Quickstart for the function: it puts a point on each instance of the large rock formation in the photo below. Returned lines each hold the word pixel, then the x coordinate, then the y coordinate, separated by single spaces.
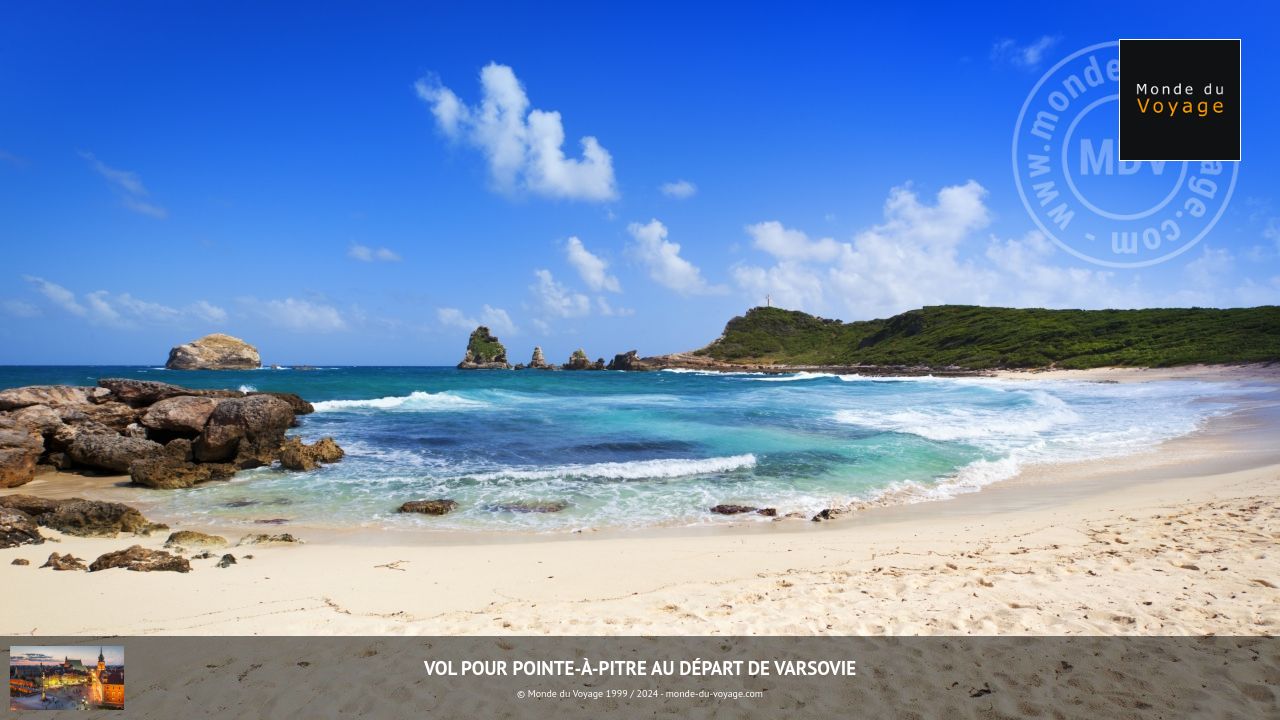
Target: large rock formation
pixel 578 361
pixel 164 436
pixel 538 362
pixel 484 352
pixel 214 352
pixel 629 361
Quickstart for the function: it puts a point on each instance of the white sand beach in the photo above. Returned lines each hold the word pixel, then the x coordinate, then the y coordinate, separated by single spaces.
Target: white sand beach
pixel 1177 540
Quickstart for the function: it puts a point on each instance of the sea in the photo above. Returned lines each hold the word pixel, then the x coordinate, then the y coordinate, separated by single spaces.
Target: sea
pixel 646 449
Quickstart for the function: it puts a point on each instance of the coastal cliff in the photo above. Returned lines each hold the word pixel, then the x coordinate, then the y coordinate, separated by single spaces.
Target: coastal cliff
pixel 214 352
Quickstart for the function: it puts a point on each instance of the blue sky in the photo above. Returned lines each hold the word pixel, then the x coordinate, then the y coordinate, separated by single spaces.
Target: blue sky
pixel 323 180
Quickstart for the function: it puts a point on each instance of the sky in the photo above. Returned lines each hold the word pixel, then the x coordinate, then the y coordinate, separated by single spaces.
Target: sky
pixel 345 184
pixel 54 654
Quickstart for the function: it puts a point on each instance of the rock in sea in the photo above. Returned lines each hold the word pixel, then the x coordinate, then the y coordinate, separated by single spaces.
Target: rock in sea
pixel 296 455
pixel 484 352
pixel 442 506
pixel 214 352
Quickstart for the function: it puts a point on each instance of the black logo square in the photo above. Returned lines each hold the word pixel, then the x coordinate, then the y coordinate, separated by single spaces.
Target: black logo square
pixel 1180 100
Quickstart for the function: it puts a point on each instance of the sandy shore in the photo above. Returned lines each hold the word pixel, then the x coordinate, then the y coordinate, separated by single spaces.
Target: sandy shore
pixel 1180 540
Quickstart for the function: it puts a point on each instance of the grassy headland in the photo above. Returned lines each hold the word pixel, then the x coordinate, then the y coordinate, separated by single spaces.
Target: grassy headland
pixel 964 336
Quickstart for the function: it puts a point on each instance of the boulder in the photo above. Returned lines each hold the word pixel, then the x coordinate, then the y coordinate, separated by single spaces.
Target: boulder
pixel 113 415
pixel 442 506
pixel 54 396
pixel 41 418
pixel 263 539
pixel 300 406
pixel 96 518
pixel 629 361
pixel 484 352
pixel 295 455
pixel 247 431
pixel 165 472
pixel 111 452
pixel 578 361
pixel 529 506
pixel 598 364
pixel 140 393
pixel 184 415
pixel 65 435
pixel 30 504
pixel 17 528
pixel 538 362
pixel 214 352
pixel 827 514
pixel 733 509
pixel 140 559
pixel 64 562
pixel 191 538
pixel 20 449
pixel 227 561
pixel 20 561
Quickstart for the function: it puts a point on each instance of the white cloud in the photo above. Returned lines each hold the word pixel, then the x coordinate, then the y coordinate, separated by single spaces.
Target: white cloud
pixel 606 309
pixel 364 253
pixel 1027 56
pixel 20 309
pixel 300 315
pixel 496 319
pixel 524 147
pixel 553 299
pixel 679 189
pixel 128 186
pixel 207 311
pixel 662 259
pixel 785 244
pixel 57 294
pixel 591 268
pixel 123 309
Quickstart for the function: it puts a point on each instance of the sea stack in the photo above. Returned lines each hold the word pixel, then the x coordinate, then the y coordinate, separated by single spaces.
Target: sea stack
pixel 214 352
pixel 484 352
pixel 538 362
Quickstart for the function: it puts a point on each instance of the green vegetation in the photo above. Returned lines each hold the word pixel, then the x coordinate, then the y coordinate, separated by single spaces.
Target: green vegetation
pixel 982 337
pixel 483 347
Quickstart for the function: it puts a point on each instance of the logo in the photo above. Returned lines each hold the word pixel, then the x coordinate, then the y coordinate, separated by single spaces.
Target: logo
pixel 1071 180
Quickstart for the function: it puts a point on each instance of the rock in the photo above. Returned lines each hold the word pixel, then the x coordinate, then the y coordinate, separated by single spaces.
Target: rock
pixel 538 362
pixel 17 528
pixel 60 460
pixel 114 415
pixel 65 435
pixel 185 415
pixel 441 506
pixel 140 559
pixel 53 396
pixel 30 504
pixel 768 512
pixel 20 449
pixel 204 555
pixel 111 452
pixel 214 352
pixel 167 473
pixel 140 393
pixel 64 562
pixel 629 361
pixel 247 431
pixel 194 539
pixel 95 518
pixel 295 455
pixel 262 539
pixel 598 364
pixel 300 406
pixel 529 506
pixel 827 514
pixel 227 561
pixel 178 449
pixel 20 561
pixel 484 352
pixel 733 509
pixel 41 418
pixel 271 521
pixel 135 430
pixel 577 361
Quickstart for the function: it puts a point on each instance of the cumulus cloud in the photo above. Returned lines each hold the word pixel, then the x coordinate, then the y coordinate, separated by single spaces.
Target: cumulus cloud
pixel 786 244
pixel 679 189
pixel 552 299
pixel 593 270
pixel 496 319
pixel 128 186
pixel 1027 56
pixel 122 309
pixel 299 315
pixel 364 253
pixel 524 147
pixel 661 258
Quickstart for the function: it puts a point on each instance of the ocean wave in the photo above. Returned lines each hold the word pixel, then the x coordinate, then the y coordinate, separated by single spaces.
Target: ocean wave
pixel 1047 413
pixel 632 470
pixel 248 389
pixel 417 401
pixel 708 373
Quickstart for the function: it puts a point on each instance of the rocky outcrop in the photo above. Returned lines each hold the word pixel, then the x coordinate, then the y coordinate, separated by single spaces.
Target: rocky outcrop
pixel 629 361
pixel 54 396
pixel 214 352
pixel 20 448
pixel 264 539
pixel 165 472
pixel 64 562
pixel 111 452
pixel 538 362
pixel 191 538
pixel 183 415
pixel 300 406
pixel 140 559
pixel 578 361
pixel 296 455
pixel 141 393
pixel 17 528
pixel 442 506
pixel 96 518
pixel 245 431
pixel 484 352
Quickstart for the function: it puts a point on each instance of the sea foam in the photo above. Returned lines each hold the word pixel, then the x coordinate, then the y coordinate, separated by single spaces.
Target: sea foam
pixel 417 401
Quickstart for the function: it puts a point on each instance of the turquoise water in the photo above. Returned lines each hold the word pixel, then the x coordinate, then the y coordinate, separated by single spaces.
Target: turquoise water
pixel 658 448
